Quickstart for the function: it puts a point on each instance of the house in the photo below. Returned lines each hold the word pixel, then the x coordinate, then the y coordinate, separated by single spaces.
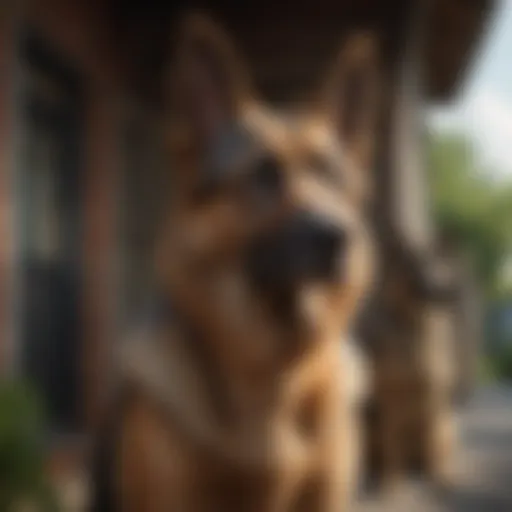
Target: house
pixel 83 176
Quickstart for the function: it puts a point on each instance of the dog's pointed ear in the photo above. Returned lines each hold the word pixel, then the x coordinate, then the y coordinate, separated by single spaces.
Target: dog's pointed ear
pixel 207 85
pixel 351 99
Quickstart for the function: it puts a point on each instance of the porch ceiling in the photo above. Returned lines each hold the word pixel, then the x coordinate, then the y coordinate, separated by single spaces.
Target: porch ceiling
pixel 289 45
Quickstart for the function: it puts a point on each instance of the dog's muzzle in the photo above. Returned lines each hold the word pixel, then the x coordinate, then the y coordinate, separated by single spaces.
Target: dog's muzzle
pixel 305 248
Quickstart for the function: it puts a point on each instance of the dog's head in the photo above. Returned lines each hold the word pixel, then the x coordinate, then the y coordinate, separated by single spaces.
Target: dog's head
pixel 266 229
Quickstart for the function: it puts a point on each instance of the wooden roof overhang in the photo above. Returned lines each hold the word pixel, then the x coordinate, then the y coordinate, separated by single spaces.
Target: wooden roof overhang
pixel 289 45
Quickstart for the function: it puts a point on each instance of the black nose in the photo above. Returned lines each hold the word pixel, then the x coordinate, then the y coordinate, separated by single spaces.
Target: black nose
pixel 313 246
pixel 307 247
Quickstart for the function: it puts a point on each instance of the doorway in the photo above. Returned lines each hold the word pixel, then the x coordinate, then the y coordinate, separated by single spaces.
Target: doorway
pixel 50 229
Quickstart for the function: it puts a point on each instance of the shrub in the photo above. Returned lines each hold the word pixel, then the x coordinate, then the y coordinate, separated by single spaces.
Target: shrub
pixel 22 434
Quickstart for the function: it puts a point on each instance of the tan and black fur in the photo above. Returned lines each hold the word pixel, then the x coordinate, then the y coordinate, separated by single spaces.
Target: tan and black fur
pixel 413 430
pixel 241 398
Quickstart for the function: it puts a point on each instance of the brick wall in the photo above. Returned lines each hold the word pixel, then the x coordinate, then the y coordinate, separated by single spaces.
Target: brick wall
pixel 77 31
pixel 6 51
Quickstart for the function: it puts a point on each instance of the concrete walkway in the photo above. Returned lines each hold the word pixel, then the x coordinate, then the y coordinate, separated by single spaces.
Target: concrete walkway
pixel 484 465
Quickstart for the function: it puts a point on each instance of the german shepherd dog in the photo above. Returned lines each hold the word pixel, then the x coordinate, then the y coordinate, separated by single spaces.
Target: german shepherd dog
pixel 241 396
pixel 414 379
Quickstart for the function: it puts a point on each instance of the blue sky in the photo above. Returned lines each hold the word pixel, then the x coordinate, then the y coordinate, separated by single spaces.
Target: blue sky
pixel 483 107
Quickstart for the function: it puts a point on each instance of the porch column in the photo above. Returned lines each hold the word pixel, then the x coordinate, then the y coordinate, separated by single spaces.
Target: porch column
pixel 7 76
pixel 100 242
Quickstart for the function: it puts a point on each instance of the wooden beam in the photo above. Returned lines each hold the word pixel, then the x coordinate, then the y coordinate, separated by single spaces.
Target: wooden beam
pixel 454 29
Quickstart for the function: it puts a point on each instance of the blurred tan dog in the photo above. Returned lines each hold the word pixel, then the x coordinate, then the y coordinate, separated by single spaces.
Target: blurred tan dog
pixel 414 430
pixel 237 398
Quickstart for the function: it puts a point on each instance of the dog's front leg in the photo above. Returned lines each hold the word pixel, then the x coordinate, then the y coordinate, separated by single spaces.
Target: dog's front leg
pixel 328 491
pixel 340 481
pixel 440 445
pixel 332 488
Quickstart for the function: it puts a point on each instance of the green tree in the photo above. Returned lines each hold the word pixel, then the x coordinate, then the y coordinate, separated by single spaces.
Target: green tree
pixel 473 207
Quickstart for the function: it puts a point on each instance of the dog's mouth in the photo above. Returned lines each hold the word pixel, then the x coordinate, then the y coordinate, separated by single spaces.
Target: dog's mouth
pixel 306 249
pixel 290 267
pixel 281 262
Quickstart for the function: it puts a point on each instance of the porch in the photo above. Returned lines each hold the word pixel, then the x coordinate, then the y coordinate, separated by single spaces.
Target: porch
pixel 81 96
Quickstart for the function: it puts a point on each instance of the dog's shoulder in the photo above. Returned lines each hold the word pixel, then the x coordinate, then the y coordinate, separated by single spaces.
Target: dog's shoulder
pixel 155 383
pixel 122 453
pixel 169 370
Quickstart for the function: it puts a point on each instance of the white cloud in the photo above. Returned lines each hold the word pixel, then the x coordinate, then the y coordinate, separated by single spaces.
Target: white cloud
pixel 486 117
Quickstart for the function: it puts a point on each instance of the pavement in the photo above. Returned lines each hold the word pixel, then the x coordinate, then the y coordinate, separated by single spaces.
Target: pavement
pixel 484 465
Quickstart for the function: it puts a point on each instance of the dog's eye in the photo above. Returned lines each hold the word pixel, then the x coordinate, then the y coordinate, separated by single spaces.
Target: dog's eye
pixel 206 190
pixel 323 167
pixel 319 163
pixel 265 183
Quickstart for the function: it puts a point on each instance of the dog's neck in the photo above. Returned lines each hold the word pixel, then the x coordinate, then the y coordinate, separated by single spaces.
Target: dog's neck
pixel 229 409
pixel 252 361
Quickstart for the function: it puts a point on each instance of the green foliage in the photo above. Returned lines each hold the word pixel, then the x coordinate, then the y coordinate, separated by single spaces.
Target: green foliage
pixel 22 428
pixel 468 204
pixel 504 363
pixel 497 366
pixel 488 372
